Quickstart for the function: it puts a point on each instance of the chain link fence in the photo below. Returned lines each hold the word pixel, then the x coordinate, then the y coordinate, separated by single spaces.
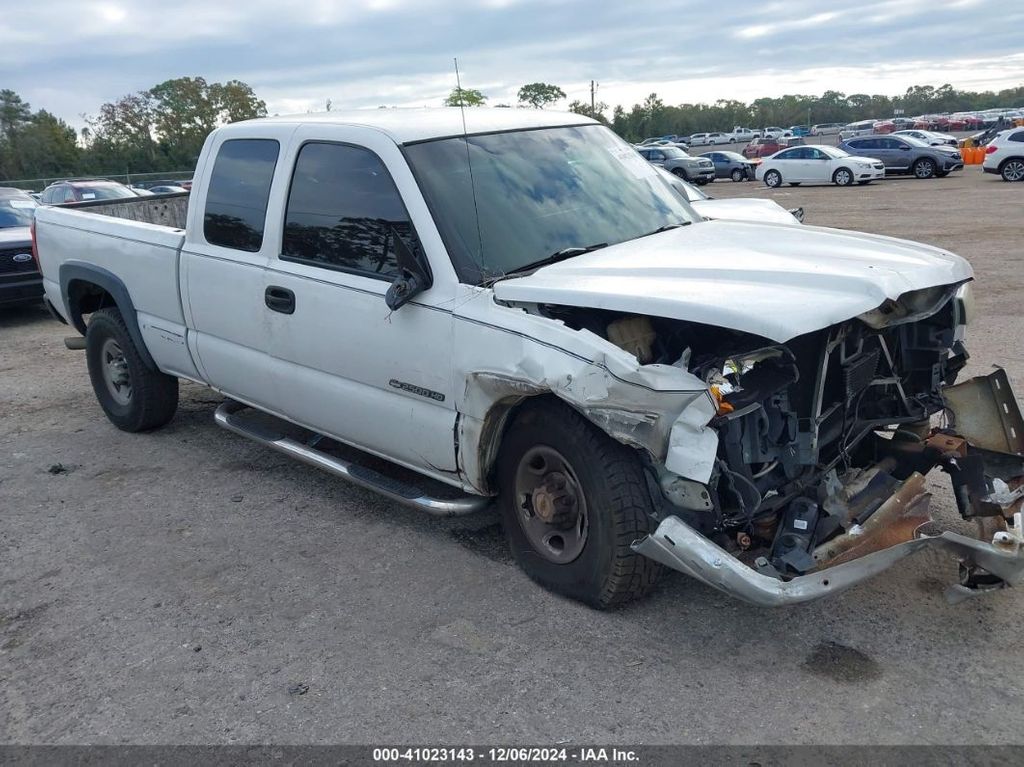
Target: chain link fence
pixel 129 179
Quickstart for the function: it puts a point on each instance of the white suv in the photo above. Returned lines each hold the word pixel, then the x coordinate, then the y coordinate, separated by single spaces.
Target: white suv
pixel 1005 155
pixel 709 139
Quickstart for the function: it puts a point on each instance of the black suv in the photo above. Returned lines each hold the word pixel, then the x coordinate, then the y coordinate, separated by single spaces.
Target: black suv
pixel 20 279
pixel 903 154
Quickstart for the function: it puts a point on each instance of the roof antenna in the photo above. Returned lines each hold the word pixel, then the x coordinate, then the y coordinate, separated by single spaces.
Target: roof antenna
pixel 469 163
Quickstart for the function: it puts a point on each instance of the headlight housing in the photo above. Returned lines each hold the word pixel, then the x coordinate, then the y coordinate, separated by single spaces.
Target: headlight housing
pixel 965 304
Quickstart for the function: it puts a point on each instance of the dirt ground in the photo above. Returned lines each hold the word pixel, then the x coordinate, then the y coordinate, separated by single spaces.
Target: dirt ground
pixel 188 586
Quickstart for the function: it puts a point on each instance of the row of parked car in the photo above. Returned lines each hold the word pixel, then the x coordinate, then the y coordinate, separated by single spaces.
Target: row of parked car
pixel 859 160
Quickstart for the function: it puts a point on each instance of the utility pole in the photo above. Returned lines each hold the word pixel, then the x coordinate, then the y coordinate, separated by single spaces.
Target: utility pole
pixel 593 104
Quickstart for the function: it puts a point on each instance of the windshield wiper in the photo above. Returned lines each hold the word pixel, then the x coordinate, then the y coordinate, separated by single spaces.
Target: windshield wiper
pixel 554 258
pixel 666 227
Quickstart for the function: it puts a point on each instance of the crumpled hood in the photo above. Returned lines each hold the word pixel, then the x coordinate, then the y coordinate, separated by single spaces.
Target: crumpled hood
pixel 744 209
pixel 776 281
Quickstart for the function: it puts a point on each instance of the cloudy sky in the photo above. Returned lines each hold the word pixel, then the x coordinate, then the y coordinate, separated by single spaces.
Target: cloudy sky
pixel 69 56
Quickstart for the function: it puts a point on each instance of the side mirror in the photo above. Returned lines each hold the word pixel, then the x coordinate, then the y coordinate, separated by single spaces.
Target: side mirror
pixel 413 273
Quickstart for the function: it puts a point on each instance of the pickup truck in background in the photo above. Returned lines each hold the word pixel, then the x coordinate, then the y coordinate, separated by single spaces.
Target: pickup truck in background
pixel 519 309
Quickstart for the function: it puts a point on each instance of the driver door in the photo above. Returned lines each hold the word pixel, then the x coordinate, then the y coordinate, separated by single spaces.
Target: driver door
pixel 348 366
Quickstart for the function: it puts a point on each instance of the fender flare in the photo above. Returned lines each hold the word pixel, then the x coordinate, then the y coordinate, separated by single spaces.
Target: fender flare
pixel 72 271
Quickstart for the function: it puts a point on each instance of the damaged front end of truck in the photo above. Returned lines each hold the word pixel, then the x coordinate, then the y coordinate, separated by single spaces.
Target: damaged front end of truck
pixel 823 444
pixel 795 469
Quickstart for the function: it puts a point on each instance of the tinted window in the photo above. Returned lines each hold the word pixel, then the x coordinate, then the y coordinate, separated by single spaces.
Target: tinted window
pixel 16 211
pixel 342 210
pixel 236 201
pixel 791 154
pixel 1018 136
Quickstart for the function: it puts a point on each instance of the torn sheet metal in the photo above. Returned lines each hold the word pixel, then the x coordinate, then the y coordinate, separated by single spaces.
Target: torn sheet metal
pixel 638 405
pixel 678 546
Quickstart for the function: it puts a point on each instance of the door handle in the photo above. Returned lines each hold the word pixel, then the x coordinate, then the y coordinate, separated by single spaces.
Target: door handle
pixel 279 299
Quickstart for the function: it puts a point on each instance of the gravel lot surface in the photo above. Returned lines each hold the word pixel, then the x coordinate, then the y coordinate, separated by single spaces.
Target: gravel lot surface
pixel 188 586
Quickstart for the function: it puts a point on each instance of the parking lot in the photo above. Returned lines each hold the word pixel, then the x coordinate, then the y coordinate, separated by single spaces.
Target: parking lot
pixel 188 586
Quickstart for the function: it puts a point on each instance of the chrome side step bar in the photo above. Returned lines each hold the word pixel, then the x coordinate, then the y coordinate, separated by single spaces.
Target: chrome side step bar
pixel 397 490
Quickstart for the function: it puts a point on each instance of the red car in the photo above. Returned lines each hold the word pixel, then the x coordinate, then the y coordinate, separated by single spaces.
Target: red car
pixel 763 147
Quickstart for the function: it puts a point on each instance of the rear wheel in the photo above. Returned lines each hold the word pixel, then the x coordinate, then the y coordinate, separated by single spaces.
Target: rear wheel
pixel 133 396
pixel 572 501
pixel 843 177
pixel 924 168
pixel 773 179
pixel 1012 169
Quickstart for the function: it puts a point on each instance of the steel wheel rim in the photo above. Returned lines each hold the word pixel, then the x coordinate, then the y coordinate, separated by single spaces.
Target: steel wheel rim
pixel 550 505
pixel 115 372
pixel 1014 171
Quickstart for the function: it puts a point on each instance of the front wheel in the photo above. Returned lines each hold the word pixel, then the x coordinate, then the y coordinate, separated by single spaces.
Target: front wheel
pixel 842 177
pixel 681 173
pixel 572 501
pixel 737 175
pixel 133 396
pixel 773 179
pixel 1012 170
pixel 924 168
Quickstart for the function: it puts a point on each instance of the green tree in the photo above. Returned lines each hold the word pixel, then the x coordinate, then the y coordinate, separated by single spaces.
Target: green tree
pixel 539 95
pixel 469 97
pixel 583 108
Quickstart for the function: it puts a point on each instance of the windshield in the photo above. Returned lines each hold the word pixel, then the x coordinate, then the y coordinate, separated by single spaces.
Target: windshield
pixel 539 192
pixel 16 211
pixel 673 152
pixel 833 152
pixel 913 140
pixel 104 192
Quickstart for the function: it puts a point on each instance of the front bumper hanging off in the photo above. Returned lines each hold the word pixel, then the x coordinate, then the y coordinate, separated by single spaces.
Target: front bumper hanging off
pixel 984 455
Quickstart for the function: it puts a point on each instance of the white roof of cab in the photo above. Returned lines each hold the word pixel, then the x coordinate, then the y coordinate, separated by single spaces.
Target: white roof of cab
pixel 407 125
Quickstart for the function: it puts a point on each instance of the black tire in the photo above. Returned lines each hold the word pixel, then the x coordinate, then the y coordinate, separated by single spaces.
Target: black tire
pixel 737 175
pixel 865 182
pixel 924 168
pixel 795 183
pixel 941 173
pixel 842 177
pixel 606 572
pixel 773 179
pixel 681 173
pixel 1012 169
pixel 144 399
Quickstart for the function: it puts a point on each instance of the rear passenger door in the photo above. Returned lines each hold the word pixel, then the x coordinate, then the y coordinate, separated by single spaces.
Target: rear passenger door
pixel 348 366
pixel 224 263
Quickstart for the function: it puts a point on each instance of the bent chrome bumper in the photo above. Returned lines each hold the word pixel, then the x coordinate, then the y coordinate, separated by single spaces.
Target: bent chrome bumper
pixel 677 545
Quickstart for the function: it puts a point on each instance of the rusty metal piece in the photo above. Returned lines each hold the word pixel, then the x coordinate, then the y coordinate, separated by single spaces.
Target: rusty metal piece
pixel 900 531
pixel 985 412
pixel 744 541
pixel 947 444
pixel 910 503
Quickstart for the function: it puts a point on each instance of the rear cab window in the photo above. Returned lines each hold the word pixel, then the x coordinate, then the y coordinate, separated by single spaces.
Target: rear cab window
pixel 236 199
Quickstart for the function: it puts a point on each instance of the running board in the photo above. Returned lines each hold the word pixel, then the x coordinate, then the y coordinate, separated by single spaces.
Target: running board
pixel 363 476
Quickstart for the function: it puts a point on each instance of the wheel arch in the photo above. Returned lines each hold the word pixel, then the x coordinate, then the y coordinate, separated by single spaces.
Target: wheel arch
pixel 86 288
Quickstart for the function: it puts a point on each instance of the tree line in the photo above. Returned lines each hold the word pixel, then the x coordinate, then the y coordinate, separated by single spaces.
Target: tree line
pixel 163 128
pixel 159 129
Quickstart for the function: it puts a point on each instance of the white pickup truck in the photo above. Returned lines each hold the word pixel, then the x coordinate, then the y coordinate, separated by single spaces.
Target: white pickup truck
pixel 517 307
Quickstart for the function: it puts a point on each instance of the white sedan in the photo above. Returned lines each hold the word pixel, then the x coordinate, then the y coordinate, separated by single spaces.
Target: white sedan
pixel 818 165
pixel 734 209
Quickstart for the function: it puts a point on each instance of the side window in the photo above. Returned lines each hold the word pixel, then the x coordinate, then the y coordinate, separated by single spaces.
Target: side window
pixel 657 156
pixel 343 210
pixel 1018 136
pixel 236 201
pixel 788 155
pixel 69 194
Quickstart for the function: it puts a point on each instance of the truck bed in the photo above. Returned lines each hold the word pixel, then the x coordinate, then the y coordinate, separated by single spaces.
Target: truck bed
pixel 120 238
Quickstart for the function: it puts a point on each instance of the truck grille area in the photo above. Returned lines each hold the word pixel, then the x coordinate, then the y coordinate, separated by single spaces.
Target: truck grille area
pixel 13 261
